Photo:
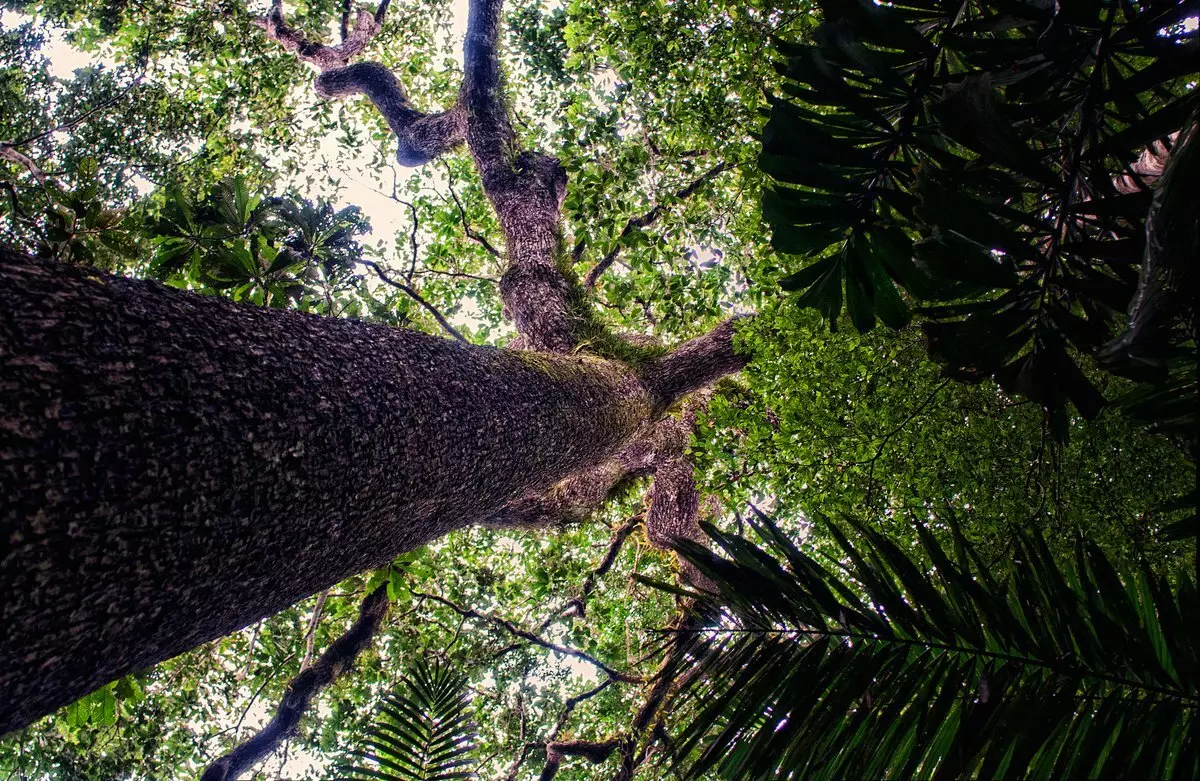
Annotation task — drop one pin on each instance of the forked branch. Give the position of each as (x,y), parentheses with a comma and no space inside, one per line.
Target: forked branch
(646,219)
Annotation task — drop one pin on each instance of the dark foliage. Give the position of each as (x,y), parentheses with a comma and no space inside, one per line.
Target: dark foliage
(1027,168)
(424,731)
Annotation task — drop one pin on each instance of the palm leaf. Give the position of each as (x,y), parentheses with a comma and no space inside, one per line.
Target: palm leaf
(423,731)
(922,668)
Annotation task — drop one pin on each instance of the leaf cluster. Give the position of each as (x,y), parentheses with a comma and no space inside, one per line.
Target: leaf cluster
(279,251)
(980,157)
(424,731)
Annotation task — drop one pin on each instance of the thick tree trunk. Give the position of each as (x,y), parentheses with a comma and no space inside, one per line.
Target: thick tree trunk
(174,467)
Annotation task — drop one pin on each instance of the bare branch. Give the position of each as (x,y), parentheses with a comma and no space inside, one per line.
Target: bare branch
(9,152)
(381,11)
(644,220)
(646,722)
(460,274)
(524,634)
(578,603)
(422,137)
(70,124)
(336,660)
(412,242)
(568,708)
(415,296)
(313,623)
(472,234)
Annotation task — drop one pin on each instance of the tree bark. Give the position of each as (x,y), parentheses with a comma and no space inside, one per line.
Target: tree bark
(176,467)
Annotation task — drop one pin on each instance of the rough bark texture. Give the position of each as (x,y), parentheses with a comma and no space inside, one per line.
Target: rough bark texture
(176,467)
(694,364)
(574,500)
(525,188)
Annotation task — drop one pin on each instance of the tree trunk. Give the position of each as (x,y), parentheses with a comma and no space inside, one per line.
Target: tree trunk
(175,467)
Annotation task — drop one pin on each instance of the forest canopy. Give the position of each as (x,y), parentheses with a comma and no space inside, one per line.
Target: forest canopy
(906,292)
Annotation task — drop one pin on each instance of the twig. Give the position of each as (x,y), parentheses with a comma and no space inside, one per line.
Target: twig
(250,651)
(641,221)
(462,274)
(579,602)
(525,634)
(336,660)
(412,241)
(472,234)
(415,296)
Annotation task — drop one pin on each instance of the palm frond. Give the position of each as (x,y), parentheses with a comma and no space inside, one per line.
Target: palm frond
(926,666)
(423,731)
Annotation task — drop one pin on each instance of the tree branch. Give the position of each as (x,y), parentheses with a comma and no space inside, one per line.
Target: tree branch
(422,137)
(579,601)
(9,152)
(674,501)
(595,752)
(472,234)
(644,220)
(313,623)
(646,722)
(415,296)
(336,660)
(694,364)
(525,188)
(517,631)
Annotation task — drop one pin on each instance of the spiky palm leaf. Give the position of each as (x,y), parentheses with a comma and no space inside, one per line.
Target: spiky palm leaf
(937,668)
(423,732)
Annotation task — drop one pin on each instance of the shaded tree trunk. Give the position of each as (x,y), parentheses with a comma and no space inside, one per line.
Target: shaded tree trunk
(176,467)
(173,467)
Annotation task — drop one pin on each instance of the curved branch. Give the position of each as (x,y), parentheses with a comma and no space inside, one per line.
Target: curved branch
(9,152)
(415,296)
(336,660)
(525,188)
(422,137)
